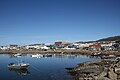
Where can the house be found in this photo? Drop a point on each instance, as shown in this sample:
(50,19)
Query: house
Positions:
(61,44)
(58,44)
(44,47)
(36,47)
(95,47)
(4,48)
(107,46)
(83,45)
(71,46)
(13,47)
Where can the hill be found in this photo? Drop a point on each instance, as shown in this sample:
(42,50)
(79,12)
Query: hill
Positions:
(114,38)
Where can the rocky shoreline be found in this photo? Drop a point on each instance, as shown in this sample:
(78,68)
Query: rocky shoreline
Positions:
(86,52)
(48,51)
(104,69)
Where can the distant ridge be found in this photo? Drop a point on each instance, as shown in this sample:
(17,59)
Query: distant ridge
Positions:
(113,38)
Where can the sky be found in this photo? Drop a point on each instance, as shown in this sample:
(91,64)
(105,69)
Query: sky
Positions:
(46,21)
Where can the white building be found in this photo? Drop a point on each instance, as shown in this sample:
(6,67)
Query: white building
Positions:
(82,45)
(32,47)
(107,44)
(13,47)
(36,46)
(44,47)
(72,46)
(4,47)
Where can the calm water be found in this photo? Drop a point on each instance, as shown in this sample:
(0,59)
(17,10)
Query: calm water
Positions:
(50,68)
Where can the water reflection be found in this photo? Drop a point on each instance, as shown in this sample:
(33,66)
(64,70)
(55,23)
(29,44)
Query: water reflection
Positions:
(70,56)
(20,71)
(59,56)
(48,68)
(14,56)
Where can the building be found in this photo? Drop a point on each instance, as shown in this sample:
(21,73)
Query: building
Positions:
(61,44)
(71,46)
(13,47)
(4,48)
(95,47)
(36,47)
(83,45)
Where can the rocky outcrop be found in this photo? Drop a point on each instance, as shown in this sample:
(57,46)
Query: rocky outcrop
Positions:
(105,69)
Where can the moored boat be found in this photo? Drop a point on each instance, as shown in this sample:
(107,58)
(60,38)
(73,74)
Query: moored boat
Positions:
(18,55)
(21,65)
(37,55)
(47,55)
(96,54)
(108,57)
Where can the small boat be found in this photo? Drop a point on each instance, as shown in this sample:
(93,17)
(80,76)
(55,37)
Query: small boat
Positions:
(108,57)
(117,58)
(47,55)
(20,65)
(96,54)
(37,55)
(18,55)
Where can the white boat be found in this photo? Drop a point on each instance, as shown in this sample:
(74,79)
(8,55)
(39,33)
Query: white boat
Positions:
(108,57)
(17,55)
(20,65)
(96,54)
(37,55)
(47,55)
(117,58)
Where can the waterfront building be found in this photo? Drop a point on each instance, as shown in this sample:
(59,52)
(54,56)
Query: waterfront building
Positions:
(13,47)
(72,46)
(36,47)
(61,44)
(4,48)
(95,47)
(84,45)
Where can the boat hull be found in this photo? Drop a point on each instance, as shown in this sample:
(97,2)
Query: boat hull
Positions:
(18,66)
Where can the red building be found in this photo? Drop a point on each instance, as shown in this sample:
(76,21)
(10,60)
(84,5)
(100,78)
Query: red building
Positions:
(95,47)
(61,44)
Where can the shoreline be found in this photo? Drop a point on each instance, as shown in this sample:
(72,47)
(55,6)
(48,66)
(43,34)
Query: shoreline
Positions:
(104,69)
(48,51)
(94,70)
(85,52)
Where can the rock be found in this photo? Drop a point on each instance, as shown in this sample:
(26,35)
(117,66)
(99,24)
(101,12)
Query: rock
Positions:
(96,70)
(112,75)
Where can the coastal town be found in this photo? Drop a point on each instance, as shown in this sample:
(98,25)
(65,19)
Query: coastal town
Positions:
(63,46)
(59,39)
(107,67)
